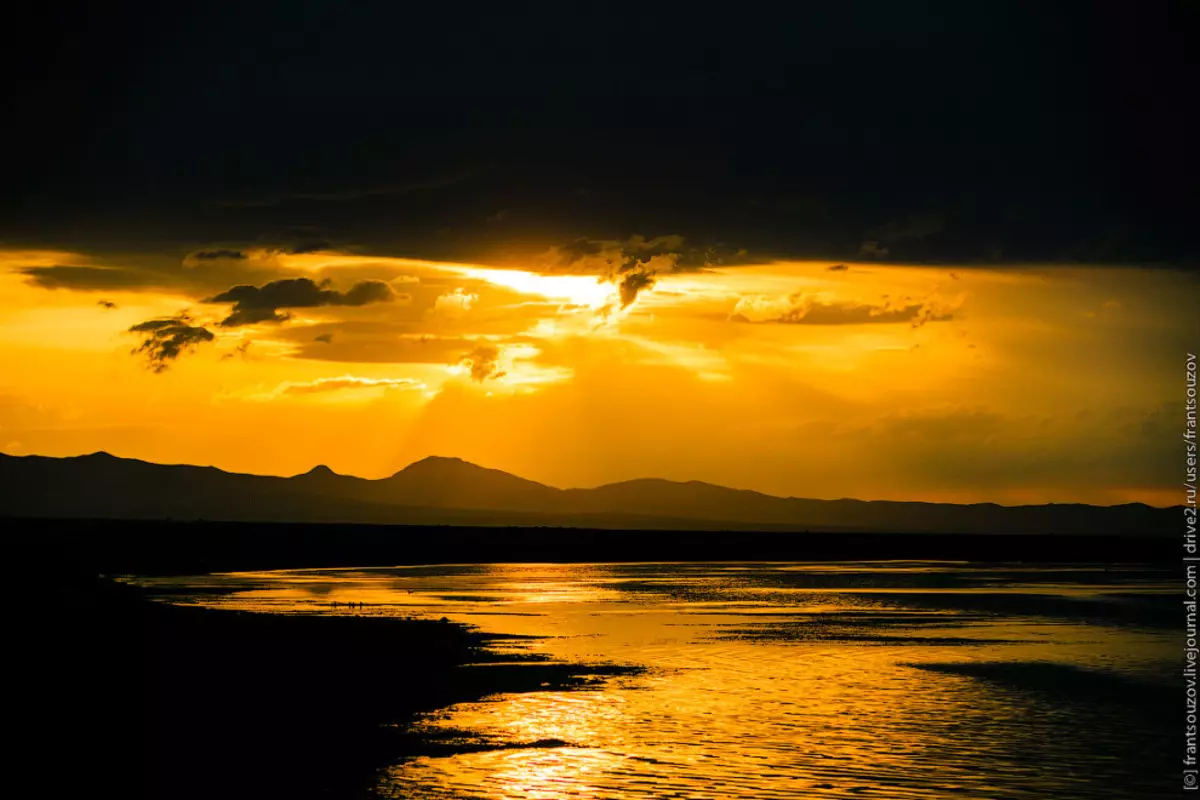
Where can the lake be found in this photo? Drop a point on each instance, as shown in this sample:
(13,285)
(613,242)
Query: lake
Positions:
(771,680)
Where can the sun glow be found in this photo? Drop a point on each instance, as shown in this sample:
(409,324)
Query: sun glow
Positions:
(582,290)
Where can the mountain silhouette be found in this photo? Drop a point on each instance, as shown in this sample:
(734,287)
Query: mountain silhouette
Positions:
(450,491)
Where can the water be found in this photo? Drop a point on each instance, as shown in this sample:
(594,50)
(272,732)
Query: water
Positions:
(890,680)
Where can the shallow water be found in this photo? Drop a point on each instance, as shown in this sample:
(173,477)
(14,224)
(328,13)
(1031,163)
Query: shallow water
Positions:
(886,679)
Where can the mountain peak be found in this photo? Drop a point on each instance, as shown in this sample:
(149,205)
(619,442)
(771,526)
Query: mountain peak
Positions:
(319,471)
(447,470)
(439,463)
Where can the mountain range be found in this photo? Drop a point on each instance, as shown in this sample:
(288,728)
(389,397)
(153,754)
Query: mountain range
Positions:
(450,491)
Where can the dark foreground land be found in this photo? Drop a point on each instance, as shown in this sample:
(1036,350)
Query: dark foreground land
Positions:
(131,698)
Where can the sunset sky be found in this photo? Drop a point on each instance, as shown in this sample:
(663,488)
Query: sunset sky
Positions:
(800,378)
(930,251)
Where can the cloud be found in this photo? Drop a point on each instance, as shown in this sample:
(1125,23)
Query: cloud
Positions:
(217,255)
(253,304)
(315,246)
(167,338)
(808,309)
(88,278)
(455,304)
(837,268)
(872,249)
(634,265)
(484,362)
(348,382)
(605,257)
(435,181)
(914,226)
(375,343)
(108,305)
(903,237)
(633,283)
(240,350)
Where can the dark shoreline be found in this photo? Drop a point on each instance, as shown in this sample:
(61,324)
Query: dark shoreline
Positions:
(145,699)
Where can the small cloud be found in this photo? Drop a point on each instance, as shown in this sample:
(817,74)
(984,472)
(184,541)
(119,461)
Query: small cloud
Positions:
(455,304)
(484,362)
(253,304)
(240,350)
(497,217)
(837,268)
(217,255)
(324,338)
(106,304)
(167,338)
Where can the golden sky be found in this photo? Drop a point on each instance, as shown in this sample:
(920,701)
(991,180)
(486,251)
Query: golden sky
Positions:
(605,361)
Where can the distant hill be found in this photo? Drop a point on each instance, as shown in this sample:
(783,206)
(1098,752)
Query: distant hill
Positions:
(450,491)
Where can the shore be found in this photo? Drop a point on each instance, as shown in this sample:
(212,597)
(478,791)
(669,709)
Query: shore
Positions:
(158,701)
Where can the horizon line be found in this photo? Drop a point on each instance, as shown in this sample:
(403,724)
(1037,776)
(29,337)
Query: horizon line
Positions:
(581,488)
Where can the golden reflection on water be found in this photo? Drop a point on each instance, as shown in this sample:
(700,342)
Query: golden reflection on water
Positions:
(774,680)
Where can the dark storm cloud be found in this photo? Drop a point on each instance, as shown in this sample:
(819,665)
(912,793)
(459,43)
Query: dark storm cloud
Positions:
(253,304)
(313,246)
(801,309)
(913,226)
(91,279)
(1035,132)
(341,195)
(605,258)
(167,338)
